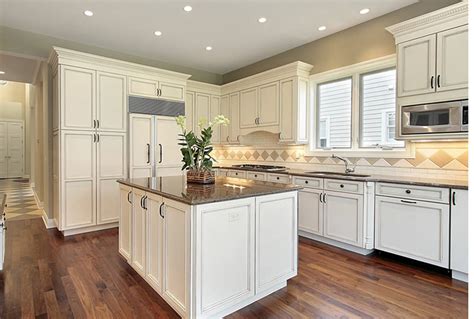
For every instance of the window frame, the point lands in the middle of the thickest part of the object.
(355, 72)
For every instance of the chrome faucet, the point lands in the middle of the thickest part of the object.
(346, 163)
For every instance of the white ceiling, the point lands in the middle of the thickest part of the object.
(18, 68)
(229, 26)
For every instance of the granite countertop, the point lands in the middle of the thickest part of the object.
(448, 183)
(225, 188)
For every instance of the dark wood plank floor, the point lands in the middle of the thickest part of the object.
(84, 277)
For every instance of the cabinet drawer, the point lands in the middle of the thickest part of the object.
(309, 182)
(278, 178)
(340, 185)
(257, 176)
(433, 194)
(237, 174)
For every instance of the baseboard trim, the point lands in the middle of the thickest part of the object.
(37, 200)
(460, 275)
(75, 231)
(355, 249)
(48, 222)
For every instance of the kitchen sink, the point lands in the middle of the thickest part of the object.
(337, 174)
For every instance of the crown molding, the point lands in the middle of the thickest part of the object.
(75, 58)
(196, 86)
(451, 16)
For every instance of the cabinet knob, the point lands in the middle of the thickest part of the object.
(255, 175)
(306, 182)
(278, 177)
(342, 185)
(408, 191)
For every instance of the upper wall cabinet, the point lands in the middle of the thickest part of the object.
(156, 89)
(432, 56)
(111, 102)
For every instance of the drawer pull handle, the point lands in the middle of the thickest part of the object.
(408, 191)
(342, 185)
(408, 201)
(255, 175)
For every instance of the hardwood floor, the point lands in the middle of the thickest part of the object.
(84, 277)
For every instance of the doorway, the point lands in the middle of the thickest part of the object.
(11, 148)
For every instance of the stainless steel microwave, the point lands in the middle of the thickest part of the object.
(443, 117)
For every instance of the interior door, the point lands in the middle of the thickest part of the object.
(141, 145)
(3, 150)
(15, 149)
(111, 102)
(167, 150)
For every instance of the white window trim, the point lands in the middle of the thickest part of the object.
(355, 71)
(327, 119)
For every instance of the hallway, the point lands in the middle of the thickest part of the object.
(21, 202)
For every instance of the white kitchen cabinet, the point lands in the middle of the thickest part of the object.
(276, 239)
(125, 231)
(294, 110)
(258, 176)
(459, 234)
(138, 260)
(343, 217)
(143, 87)
(311, 210)
(416, 66)
(248, 112)
(202, 109)
(234, 106)
(215, 111)
(141, 139)
(452, 59)
(413, 229)
(111, 166)
(154, 241)
(236, 173)
(111, 102)
(78, 98)
(278, 178)
(189, 111)
(167, 150)
(171, 91)
(225, 110)
(269, 104)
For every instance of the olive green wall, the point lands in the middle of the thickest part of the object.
(363, 42)
(38, 45)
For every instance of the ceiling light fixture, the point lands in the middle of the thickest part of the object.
(2, 72)
(89, 13)
(322, 28)
(2, 82)
(364, 11)
(158, 33)
(262, 20)
(188, 8)
(208, 48)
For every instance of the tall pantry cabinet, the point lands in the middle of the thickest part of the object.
(89, 144)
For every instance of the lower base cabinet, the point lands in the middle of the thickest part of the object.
(459, 234)
(125, 218)
(414, 229)
(311, 211)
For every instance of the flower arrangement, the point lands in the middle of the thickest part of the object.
(196, 150)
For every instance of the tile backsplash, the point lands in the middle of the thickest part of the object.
(435, 160)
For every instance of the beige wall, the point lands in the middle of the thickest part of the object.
(12, 101)
(363, 42)
(38, 45)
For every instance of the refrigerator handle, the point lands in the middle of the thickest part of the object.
(148, 153)
(161, 153)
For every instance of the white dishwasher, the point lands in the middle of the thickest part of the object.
(413, 221)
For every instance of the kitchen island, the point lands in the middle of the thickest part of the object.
(209, 250)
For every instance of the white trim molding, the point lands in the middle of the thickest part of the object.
(48, 222)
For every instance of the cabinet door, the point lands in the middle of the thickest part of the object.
(78, 153)
(171, 91)
(125, 239)
(310, 211)
(413, 229)
(78, 99)
(269, 104)
(201, 109)
(167, 151)
(452, 59)
(141, 138)
(459, 230)
(276, 239)
(143, 87)
(189, 111)
(111, 102)
(138, 232)
(234, 102)
(224, 110)
(176, 265)
(416, 66)
(343, 217)
(248, 108)
(154, 242)
(288, 99)
(111, 166)
(214, 111)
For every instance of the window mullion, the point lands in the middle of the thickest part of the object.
(355, 125)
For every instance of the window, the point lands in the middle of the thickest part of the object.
(355, 111)
(377, 109)
(335, 103)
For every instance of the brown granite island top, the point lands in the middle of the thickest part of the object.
(225, 188)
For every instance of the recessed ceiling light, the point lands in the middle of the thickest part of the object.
(262, 20)
(3, 82)
(188, 8)
(2, 72)
(89, 13)
(322, 28)
(158, 33)
(208, 48)
(364, 11)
